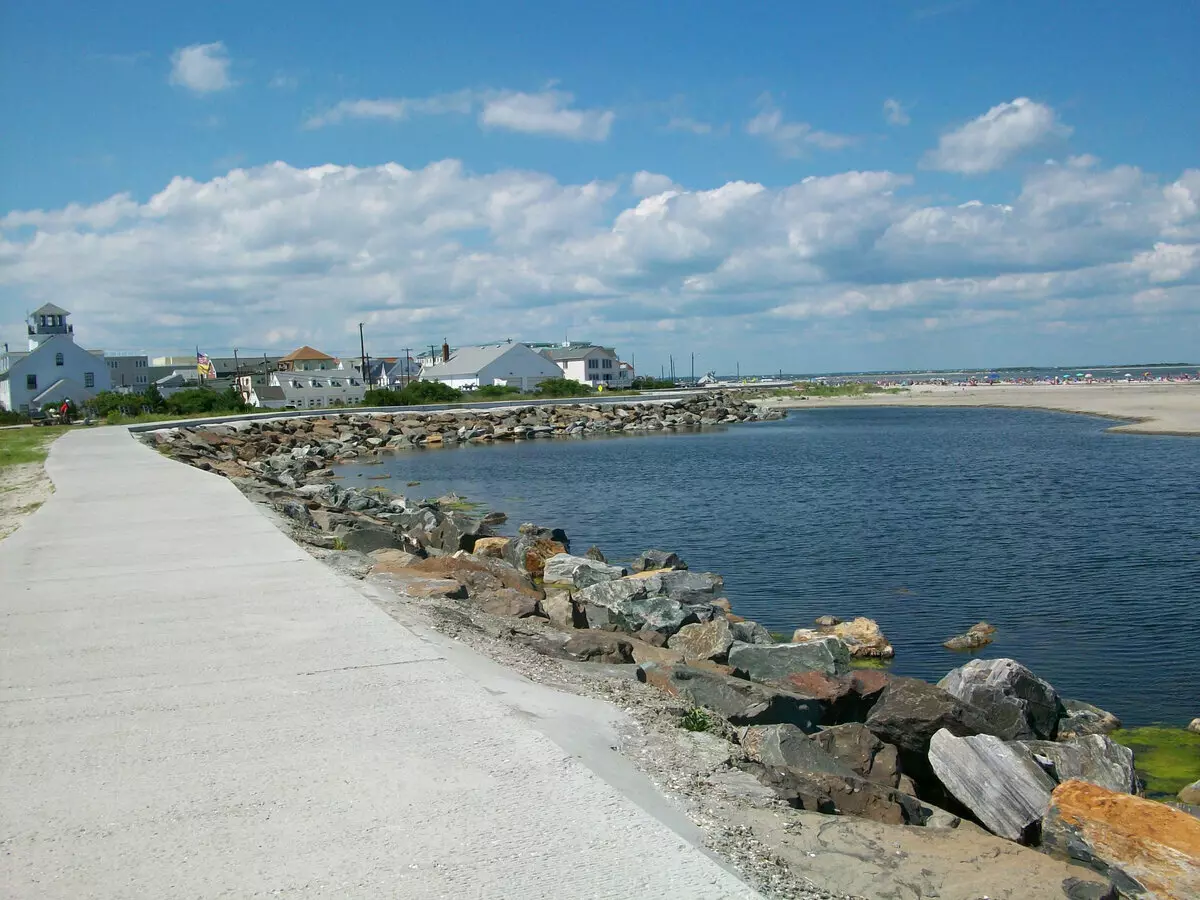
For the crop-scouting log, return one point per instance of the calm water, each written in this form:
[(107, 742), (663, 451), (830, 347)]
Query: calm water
[(1082, 547)]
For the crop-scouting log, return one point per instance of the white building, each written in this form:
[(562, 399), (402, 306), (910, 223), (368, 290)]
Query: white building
[(511, 364), (304, 390), (54, 368), (128, 372), (591, 365)]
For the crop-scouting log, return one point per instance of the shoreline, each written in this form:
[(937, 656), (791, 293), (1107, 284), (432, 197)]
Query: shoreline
[(760, 833), (1165, 410)]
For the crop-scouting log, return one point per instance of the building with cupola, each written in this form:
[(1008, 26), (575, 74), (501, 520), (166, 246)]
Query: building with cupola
[(53, 369)]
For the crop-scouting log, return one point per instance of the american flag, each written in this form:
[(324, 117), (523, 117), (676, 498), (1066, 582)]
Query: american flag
[(204, 366)]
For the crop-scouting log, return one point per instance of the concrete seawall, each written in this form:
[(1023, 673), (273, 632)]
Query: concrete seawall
[(193, 706)]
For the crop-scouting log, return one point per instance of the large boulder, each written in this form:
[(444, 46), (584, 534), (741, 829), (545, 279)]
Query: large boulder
[(735, 699), (856, 748), (907, 714), (862, 637), (999, 782), (688, 588), (365, 537), (627, 605), (1083, 718), (703, 640), (479, 574), (850, 795), (1148, 850), (657, 559), (532, 546), (599, 646), (1094, 758), (561, 609), (787, 747), (419, 585), (564, 570), (1190, 794), (773, 662), (1018, 704), (750, 632)]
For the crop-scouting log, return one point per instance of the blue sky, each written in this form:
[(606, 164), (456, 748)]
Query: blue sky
[(788, 186)]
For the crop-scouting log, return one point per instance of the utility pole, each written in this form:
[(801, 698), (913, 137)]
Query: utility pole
[(362, 347), (672, 359), (406, 369), (693, 368), (739, 370)]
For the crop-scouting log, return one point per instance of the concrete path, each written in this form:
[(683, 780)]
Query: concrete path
[(191, 706)]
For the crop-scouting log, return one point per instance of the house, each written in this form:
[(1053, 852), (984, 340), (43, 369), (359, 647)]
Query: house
[(267, 396), (589, 364), (512, 364), (306, 359), (128, 372), (54, 368), (303, 389)]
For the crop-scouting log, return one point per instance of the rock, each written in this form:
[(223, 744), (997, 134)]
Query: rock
[(1083, 718), (649, 653), (297, 512), (750, 633), (979, 635), (1018, 704), (599, 646), (1094, 758), (365, 538), (626, 605), (562, 610), (1147, 849), (857, 749), (826, 621), (531, 554), (1194, 726), (773, 662), (999, 782), (1077, 889), (862, 637), (480, 574), (564, 570), (593, 552), (1190, 794), (909, 712), (707, 752), (506, 602), (419, 585), (390, 560), (350, 562), (707, 640), (786, 746), (656, 559), (846, 795), (735, 699), (491, 546)]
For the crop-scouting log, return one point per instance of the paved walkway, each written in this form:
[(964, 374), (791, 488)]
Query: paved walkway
[(191, 706)]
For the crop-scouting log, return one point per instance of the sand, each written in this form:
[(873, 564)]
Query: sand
[(1168, 408), (23, 489)]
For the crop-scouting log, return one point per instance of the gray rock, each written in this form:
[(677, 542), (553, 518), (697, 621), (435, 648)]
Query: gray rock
[(598, 646), (1084, 718), (297, 512), (787, 747), (350, 562), (564, 570), (1190, 794), (1093, 757), (562, 610), (657, 559), (595, 553), (750, 632), (999, 782), (855, 747), (1077, 889), (703, 640), (849, 795), (775, 662), (734, 699), (626, 605), (1018, 704), (827, 621), (365, 538)]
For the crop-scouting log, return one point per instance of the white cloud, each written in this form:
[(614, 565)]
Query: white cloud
[(278, 255), (201, 68), (548, 112), (282, 81), (995, 138), (895, 113), (686, 123), (792, 139)]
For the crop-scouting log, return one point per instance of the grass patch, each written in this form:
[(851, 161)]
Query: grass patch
[(696, 719), (27, 445), (849, 389), (1167, 758)]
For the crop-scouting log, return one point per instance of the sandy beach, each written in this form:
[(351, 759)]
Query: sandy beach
[(1146, 408)]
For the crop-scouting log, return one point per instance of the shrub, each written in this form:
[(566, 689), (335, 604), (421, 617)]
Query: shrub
[(563, 387), (414, 394), (651, 384), (696, 719), (495, 391)]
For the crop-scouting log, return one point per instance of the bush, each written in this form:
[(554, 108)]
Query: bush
[(495, 391), (415, 394), (696, 719), (651, 384), (12, 418), (563, 387)]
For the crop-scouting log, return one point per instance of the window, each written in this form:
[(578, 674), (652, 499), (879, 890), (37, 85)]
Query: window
[(58, 359), (89, 379), (333, 382), (112, 363), (607, 364), (607, 377), (141, 379), (31, 382), (593, 363)]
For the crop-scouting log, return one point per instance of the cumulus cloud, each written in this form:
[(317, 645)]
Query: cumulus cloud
[(997, 137), (792, 139), (547, 112), (201, 68), (282, 255), (895, 113)]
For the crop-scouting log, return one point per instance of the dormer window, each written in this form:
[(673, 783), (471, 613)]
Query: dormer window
[(58, 359)]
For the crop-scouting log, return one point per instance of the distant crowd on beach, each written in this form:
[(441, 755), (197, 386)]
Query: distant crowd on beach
[(1078, 378)]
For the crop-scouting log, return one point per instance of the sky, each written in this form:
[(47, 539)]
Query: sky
[(769, 186)]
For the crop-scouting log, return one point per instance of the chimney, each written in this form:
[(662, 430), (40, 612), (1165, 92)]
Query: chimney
[(445, 351)]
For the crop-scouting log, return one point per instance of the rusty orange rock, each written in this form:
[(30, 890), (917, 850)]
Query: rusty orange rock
[(1147, 849)]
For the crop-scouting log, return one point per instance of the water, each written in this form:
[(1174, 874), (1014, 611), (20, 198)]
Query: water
[(1082, 547)]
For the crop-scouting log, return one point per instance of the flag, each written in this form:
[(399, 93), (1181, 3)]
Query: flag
[(204, 366)]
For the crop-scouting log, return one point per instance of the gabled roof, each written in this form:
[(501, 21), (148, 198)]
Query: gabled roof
[(466, 362), (49, 309), (269, 392), (305, 352), (557, 353)]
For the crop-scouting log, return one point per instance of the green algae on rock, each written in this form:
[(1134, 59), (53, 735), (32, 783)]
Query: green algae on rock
[(1166, 758)]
